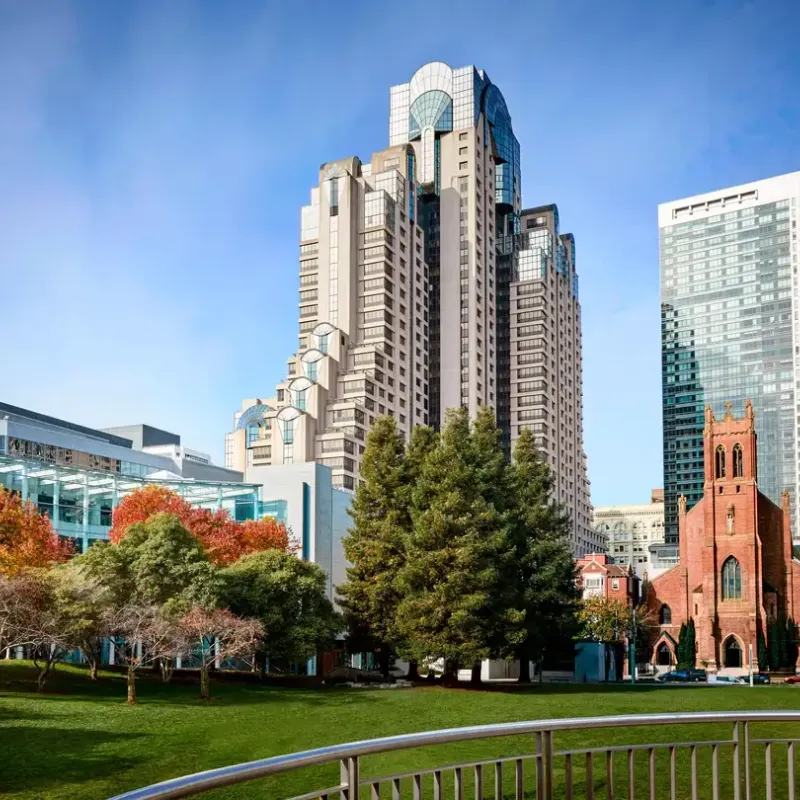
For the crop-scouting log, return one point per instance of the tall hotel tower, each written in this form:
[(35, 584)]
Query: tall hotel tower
[(425, 286), (730, 331)]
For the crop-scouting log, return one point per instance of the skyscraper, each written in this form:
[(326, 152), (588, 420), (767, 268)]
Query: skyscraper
[(544, 376), (363, 329), (469, 184), (729, 330), (423, 287)]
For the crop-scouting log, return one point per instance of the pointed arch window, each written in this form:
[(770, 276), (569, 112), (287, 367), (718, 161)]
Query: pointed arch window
[(665, 615), (719, 462), (738, 463), (731, 579)]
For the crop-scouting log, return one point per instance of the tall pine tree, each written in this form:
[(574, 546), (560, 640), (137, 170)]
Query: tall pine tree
[(543, 584), (451, 580), (375, 545)]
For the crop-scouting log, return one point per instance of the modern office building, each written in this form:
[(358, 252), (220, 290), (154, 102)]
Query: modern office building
[(424, 286), (77, 476), (635, 535), (730, 331)]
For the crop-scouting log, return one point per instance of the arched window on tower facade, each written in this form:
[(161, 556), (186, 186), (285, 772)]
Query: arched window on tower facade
[(731, 579), (719, 462), (665, 615), (738, 464)]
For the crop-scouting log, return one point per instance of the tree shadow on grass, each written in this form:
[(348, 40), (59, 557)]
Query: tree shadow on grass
[(68, 686), (34, 757)]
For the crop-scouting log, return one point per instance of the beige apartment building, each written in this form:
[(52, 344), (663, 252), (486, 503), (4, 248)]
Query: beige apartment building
[(424, 286), (363, 330), (635, 535), (545, 375)]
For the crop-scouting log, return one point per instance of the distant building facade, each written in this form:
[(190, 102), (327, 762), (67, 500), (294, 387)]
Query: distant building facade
[(736, 574), (78, 475), (633, 534), (598, 575)]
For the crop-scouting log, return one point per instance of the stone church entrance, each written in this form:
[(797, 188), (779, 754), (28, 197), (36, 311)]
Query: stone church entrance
[(733, 653)]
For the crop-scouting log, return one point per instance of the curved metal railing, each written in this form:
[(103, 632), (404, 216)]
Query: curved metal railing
[(573, 772)]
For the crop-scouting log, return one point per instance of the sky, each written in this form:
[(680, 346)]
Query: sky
[(154, 157)]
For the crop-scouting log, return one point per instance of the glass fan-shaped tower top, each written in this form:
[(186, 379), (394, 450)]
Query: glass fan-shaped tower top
[(439, 99)]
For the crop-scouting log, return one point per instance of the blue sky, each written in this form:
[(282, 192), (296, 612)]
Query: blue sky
[(154, 156)]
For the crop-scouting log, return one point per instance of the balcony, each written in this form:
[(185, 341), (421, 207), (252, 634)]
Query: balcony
[(732, 762)]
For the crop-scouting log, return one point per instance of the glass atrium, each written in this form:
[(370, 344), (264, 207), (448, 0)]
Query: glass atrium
[(80, 502)]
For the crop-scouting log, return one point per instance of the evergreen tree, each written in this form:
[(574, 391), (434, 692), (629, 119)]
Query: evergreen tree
[(543, 584), (680, 648), (455, 564), (375, 545), (773, 646), (791, 645), (686, 651), (783, 644), (505, 615), (763, 656)]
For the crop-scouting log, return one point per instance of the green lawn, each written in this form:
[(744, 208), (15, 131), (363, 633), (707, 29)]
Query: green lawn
[(80, 740)]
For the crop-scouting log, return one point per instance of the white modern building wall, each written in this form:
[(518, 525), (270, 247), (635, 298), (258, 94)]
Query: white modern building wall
[(316, 512)]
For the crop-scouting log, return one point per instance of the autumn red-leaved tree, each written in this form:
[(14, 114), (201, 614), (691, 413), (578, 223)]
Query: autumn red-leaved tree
[(140, 505), (229, 543), (27, 539), (223, 539)]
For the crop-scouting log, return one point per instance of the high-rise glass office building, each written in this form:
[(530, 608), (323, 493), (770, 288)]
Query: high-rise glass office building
[(729, 330)]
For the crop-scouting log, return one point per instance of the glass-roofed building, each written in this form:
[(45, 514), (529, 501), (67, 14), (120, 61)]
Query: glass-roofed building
[(77, 475)]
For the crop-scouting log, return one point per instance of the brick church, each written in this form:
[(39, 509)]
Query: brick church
[(736, 574)]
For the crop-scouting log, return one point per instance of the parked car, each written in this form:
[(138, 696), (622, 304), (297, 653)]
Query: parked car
[(792, 679), (724, 680), (698, 675), (758, 678), (676, 676)]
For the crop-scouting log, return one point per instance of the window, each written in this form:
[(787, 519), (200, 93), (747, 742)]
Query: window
[(731, 580), (665, 615), (462, 151), (462, 165), (737, 461), (615, 584), (334, 196), (719, 462)]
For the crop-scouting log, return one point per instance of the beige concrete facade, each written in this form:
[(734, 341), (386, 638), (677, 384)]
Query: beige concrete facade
[(546, 368), (428, 288), (363, 334)]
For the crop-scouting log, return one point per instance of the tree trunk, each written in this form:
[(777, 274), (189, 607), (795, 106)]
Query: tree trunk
[(413, 671), (205, 684), (450, 676), (131, 686), (44, 671), (93, 669), (167, 669), (385, 661), (475, 678)]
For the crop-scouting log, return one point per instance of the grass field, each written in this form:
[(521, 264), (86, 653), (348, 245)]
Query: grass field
[(80, 740)]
